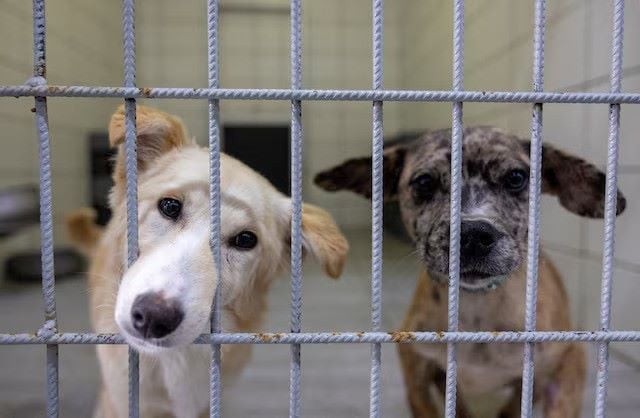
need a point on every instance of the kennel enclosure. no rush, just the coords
(49, 336)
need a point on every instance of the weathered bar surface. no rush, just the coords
(321, 95)
(400, 337)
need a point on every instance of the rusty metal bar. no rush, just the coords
(444, 337)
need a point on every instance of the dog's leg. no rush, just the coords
(512, 408)
(418, 375)
(113, 364)
(562, 396)
(99, 411)
(186, 378)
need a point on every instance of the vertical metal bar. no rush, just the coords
(610, 208)
(214, 202)
(131, 158)
(46, 206)
(533, 237)
(456, 188)
(377, 197)
(296, 206)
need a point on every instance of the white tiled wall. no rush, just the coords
(254, 53)
(83, 47)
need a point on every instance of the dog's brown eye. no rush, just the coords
(423, 187)
(245, 240)
(170, 208)
(516, 180)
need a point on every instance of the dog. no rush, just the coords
(493, 248)
(162, 302)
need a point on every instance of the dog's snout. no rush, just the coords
(477, 238)
(154, 316)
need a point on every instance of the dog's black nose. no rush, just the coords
(477, 238)
(153, 316)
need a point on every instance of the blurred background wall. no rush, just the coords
(84, 48)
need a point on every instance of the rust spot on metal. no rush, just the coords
(402, 336)
(360, 334)
(335, 334)
(267, 337)
(145, 91)
(54, 89)
(440, 334)
(496, 333)
(33, 110)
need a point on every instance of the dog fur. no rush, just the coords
(175, 264)
(417, 176)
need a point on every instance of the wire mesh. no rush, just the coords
(48, 335)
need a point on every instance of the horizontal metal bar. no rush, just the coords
(317, 95)
(400, 337)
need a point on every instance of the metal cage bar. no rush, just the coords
(533, 234)
(611, 189)
(321, 95)
(49, 335)
(511, 337)
(46, 207)
(377, 198)
(456, 192)
(214, 202)
(131, 158)
(295, 402)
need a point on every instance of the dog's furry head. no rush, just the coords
(174, 278)
(494, 197)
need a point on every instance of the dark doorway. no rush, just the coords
(265, 148)
(101, 161)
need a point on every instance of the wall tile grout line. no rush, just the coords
(611, 190)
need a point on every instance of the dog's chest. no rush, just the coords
(484, 367)
(186, 378)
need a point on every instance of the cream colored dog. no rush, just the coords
(162, 302)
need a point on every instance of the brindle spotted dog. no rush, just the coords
(493, 263)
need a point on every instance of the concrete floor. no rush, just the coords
(335, 377)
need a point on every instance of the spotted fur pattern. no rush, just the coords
(489, 154)
(486, 372)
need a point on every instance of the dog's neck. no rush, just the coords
(498, 309)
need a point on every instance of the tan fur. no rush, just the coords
(494, 208)
(487, 368)
(167, 156)
(83, 232)
(332, 248)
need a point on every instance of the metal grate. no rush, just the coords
(48, 335)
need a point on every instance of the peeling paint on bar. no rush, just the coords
(397, 337)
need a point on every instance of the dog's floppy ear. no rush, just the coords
(323, 240)
(157, 133)
(355, 174)
(579, 185)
